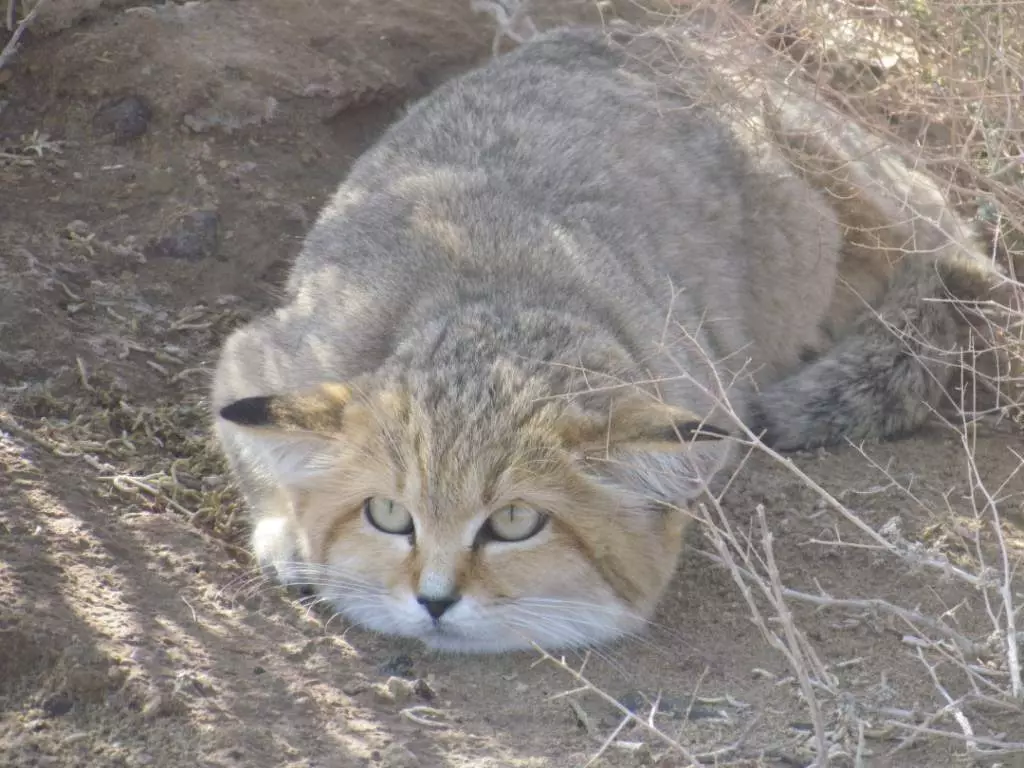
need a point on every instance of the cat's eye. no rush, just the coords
(388, 516)
(516, 522)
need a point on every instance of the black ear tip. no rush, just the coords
(248, 412)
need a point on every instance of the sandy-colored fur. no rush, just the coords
(534, 291)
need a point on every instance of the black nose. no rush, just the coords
(437, 606)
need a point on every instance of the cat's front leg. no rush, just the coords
(276, 548)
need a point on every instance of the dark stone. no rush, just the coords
(57, 705)
(423, 690)
(397, 666)
(683, 706)
(127, 118)
(634, 701)
(193, 237)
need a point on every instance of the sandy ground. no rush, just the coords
(159, 166)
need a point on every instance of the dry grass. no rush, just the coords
(159, 453)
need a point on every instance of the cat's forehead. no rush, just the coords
(457, 469)
(449, 413)
(461, 467)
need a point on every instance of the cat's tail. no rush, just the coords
(890, 369)
(884, 378)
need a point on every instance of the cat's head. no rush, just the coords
(484, 520)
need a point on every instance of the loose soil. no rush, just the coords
(159, 164)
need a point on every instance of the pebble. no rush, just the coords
(354, 687)
(126, 118)
(395, 689)
(422, 689)
(193, 237)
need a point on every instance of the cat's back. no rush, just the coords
(566, 132)
(562, 176)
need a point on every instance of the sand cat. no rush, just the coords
(496, 382)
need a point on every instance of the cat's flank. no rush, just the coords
(481, 413)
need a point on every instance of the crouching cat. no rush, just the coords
(497, 380)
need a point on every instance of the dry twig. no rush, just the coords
(13, 44)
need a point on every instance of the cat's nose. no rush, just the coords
(436, 606)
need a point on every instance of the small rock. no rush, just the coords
(155, 706)
(232, 113)
(77, 228)
(400, 688)
(398, 756)
(193, 237)
(422, 689)
(258, 670)
(127, 118)
(192, 684)
(57, 705)
(383, 695)
(400, 665)
(354, 687)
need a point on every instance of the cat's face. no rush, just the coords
(475, 536)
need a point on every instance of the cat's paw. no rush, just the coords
(276, 549)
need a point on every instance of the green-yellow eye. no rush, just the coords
(388, 516)
(516, 522)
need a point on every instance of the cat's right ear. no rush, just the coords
(636, 423)
(290, 435)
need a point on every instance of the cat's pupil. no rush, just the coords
(388, 517)
(514, 523)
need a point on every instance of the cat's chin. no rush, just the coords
(453, 642)
(469, 634)
(500, 639)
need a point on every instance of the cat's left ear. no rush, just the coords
(290, 435)
(319, 410)
(637, 423)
